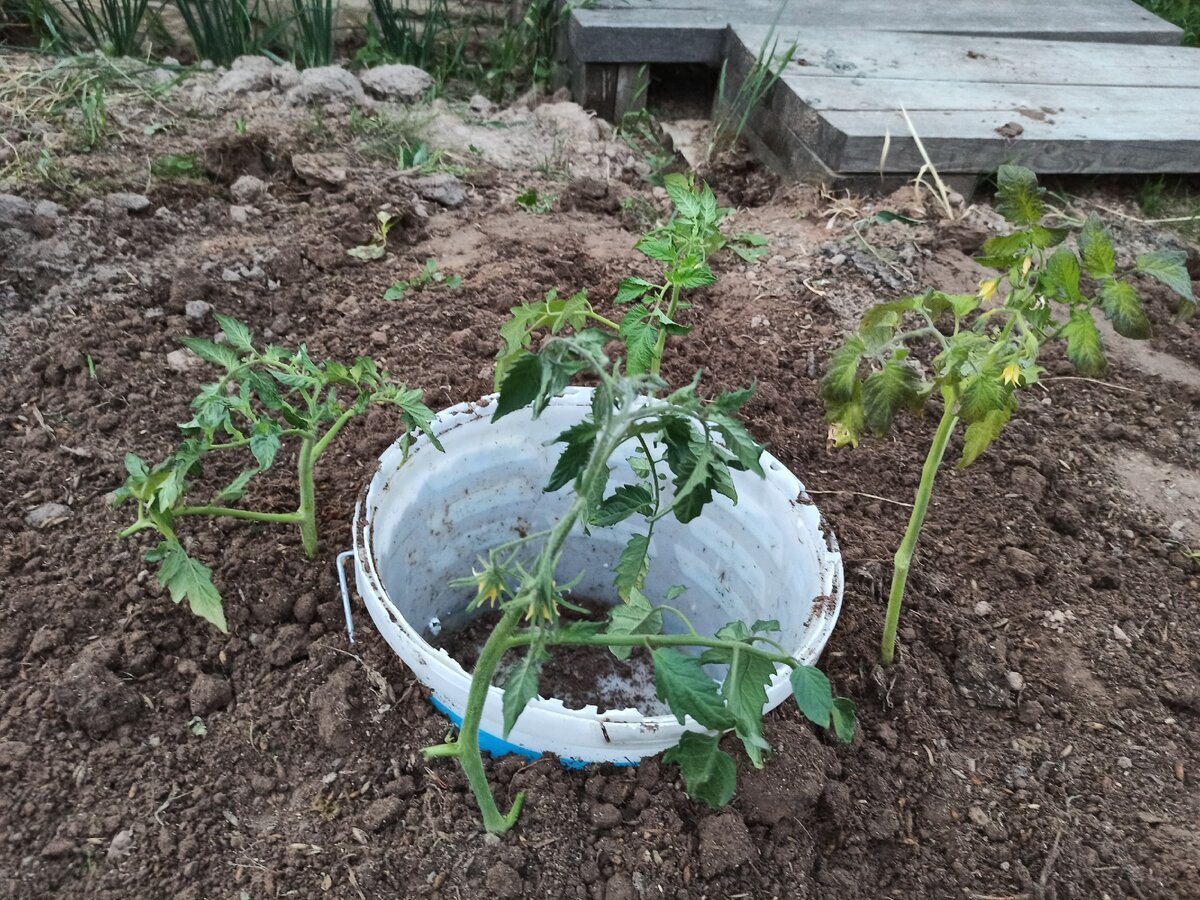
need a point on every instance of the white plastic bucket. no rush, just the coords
(423, 522)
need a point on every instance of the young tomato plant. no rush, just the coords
(695, 444)
(683, 246)
(429, 277)
(988, 344)
(264, 398)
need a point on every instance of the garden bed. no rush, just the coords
(1039, 737)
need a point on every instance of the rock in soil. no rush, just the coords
(324, 84)
(396, 82)
(248, 190)
(94, 699)
(209, 693)
(316, 169)
(382, 812)
(247, 73)
(441, 188)
(724, 844)
(48, 514)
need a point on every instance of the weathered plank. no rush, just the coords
(679, 31)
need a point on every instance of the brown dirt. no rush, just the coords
(1040, 737)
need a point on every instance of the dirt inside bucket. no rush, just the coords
(576, 675)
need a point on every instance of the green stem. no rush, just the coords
(234, 513)
(329, 435)
(552, 638)
(467, 744)
(661, 344)
(307, 513)
(908, 546)
(607, 323)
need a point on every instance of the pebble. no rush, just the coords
(47, 515)
(209, 693)
(248, 190)
(605, 815)
(120, 846)
(123, 202)
(183, 360)
(382, 812)
(983, 608)
(196, 310)
(441, 188)
(1124, 762)
(1016, 681)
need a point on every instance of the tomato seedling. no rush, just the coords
(264, 397)
(694, 443)
(429, 277)
(989, 342)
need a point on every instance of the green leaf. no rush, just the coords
(679, 189)
(1007, 250)
(237, 334)
(709, 773)
(886, 392)
(657, 249)
(1084, 349)
(683, 685)
(218, 354)
(631, 289)
(236, 489)
(981, 433)
(889, 314)
(745, 695)
(692, 277)
(813, 694)
(738, 441)
(521, 385)
(396, 291)
(521, 685)
(1096, 248)
(185, 578)
(265, 443)
(843, 719)
(632, 565)
(841, 377)
(627, 500)
(1123, 308)
(959, 305)
(1059, 278)
(368, 252)
(580, 439)
(641, 340)
(1018, 196)
(982, 393)
(635, 616)
(135, 466)
(1169, 267)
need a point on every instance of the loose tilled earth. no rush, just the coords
(1039, 738)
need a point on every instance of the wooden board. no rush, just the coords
(678, 31)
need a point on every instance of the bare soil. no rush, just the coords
(1040, 737)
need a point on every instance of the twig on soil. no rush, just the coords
(1107, 384)
(861, 494)
(1195, 217)
(1051, 859)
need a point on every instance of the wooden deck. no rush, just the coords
(1086, 86)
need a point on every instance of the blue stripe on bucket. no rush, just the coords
(495, 746)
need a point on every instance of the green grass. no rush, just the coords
(1184, 13)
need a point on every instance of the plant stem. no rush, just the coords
(469, 756)
(234, 513)
(908, 546)
(307, 513)
(661, 344)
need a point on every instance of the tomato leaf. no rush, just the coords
(683, 685)
(709, 773)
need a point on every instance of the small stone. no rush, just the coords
(504, 882)
(120, 846)
(196, 310)
(1067, 519)
(441, 188)
(230, 276)
(1016, 681)
(56, 848)
(888, 735)
(246, 74)
(48, 515)
(15, 212)
(1028, 482)
(1120, 635)
(320, 168)
(323, 84)
(183, 360)
(262, 784)
(382, 812)
(983, 608)
(290, 645)
(1031, 712)
(396, 81)
(248, 190)
(480, 105)
(1024, 566)
(978, 816)
(724, 844)
(379, 338)
(239, 215)
(208, 694)
(125, 203)
(605, 816)
(304, 610)
(1124, 762)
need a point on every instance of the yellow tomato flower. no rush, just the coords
(1011, 374)
(987, 289)
(1025, 266)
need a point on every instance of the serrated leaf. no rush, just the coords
(187, 579)
(265, 443)
(745, 696)
(679, 189)
(1096, 248)
(521, 685)
(631, 289)
(368, 252)
(981, 433)
(627, 500)
(521, 385)
(889, 314)
(236, 489)
(1084, 348)
(135, 466)
(681, 682)
(640, 465)
(981, 393)
(1123, 308)
(632, 564)
(841, 378)
(634, 616)
(843, 714)
(218, 354)
(813, 694)
(1018, 196)
(237, 334)
(739, 442)
(765, 626)
(691, 278)
(655, 248)
(709, 773)
(396, 291)
(641, 340)
(1169, 267)
(886, 392)
(1059, 278)
(580, 439)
